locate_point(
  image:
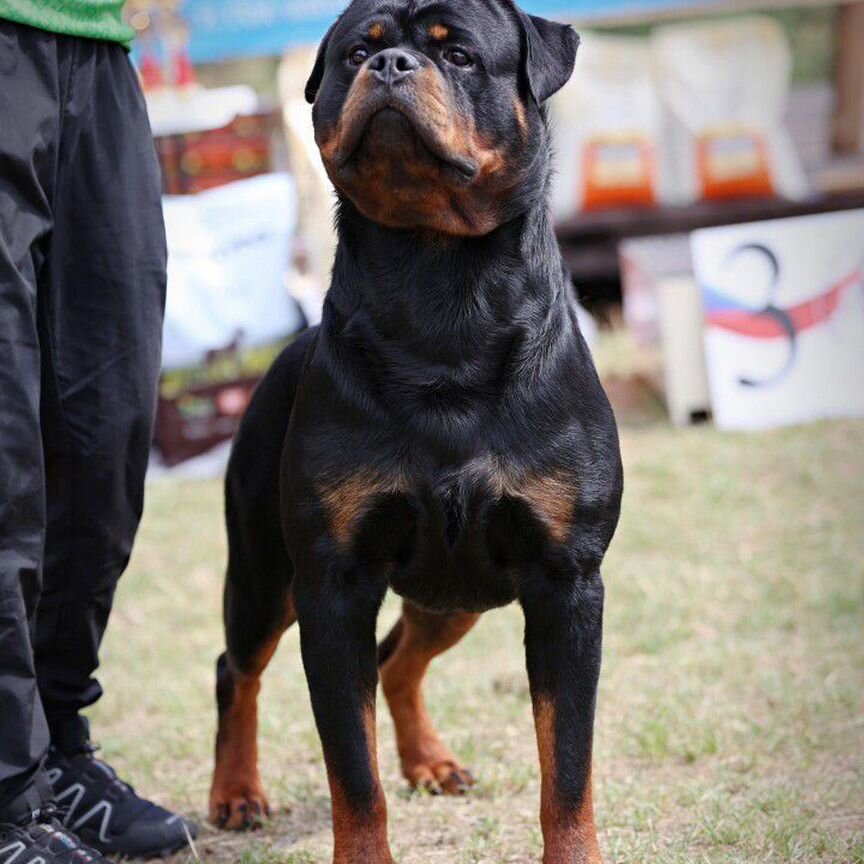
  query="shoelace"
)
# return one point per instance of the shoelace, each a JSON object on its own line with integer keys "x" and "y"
{"x": 44, "y": 815}
{"x": 50, "y": 811}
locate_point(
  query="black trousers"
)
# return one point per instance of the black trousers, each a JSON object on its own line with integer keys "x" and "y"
{"x": 82, "y": 291}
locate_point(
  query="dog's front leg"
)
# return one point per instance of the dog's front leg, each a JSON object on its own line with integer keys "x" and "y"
{"x": 337, "y": 611}
{"x": 563, "y": 634}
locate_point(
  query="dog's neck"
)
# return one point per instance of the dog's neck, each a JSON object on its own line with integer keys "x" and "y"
{"x": 442, "y": 300}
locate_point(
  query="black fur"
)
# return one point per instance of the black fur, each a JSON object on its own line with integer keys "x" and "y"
{"x": 443, "y": 362}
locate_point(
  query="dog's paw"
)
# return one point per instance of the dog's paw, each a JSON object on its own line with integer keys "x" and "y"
{"x": 442, "y": 777}
{"x": 239, "y": 809}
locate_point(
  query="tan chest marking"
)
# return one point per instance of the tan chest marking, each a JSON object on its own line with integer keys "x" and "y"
{"x": 346, "y": 502}
{"x": 551, "y": 497}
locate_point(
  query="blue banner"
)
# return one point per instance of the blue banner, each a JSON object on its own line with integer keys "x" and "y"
{"x": 221, "y": 29}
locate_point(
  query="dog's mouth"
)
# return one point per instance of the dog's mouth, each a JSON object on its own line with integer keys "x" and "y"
{"x": 390, "y": 128}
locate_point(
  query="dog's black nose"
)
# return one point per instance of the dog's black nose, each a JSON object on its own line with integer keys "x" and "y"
{"x": 393, "y": 65}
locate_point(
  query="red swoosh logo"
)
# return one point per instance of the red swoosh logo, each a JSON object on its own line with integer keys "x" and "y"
{"x": 805, "y": 315}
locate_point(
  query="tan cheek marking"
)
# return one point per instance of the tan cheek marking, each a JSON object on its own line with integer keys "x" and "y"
{"x": 435, "y": 102}
{"x": 346, "y": 502}
{"x": 466, "y": 139}
{"x": 521, "y": 116}
{"x": 330, "y": 140}
{"x": 376, "y": 32}
{"x": 439, "y": 32}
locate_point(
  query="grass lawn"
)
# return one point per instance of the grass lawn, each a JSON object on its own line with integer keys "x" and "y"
{"x": 731, "y": 712}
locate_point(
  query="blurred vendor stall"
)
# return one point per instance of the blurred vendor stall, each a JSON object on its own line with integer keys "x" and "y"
{"x": 230, "y": 219}
{"x": 673, "y": 125}
{"x": 681, "y": 116}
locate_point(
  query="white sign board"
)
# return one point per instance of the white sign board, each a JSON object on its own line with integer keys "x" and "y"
{"x": 229, "y": 252}
{"x": 784, "y": 319}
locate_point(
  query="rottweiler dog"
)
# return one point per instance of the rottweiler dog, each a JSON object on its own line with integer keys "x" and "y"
{"x": 442, "y": 433}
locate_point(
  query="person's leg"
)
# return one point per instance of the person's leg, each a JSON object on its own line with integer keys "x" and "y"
{"x": 30, "y": 95}
{"x": 101, "y": 320}
{"x": 102, "y": 296}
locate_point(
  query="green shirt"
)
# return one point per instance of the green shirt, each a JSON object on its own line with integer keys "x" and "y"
{"x": 92, "y": 19}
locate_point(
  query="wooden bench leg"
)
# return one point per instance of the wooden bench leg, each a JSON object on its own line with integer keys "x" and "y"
{"x": 848, "y": 125}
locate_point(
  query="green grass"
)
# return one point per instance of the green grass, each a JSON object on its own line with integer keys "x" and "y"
{"x": 731, "y": 711}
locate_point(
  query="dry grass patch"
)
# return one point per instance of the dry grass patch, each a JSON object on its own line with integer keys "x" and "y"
{"x": 731, "y": 717}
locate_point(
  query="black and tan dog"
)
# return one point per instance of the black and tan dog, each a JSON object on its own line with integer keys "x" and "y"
{"x": 442, "y": 433}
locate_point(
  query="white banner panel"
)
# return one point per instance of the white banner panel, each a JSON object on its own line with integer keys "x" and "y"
{"x": 784, "y": 319}
{"x": 229, "y": 250}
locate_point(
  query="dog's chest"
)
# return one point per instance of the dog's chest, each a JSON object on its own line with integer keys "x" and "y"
{"x": 452, "y": 539}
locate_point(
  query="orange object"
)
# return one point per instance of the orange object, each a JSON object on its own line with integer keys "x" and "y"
{"x": 734, "y": 163}
{"x": 619, "y": 172}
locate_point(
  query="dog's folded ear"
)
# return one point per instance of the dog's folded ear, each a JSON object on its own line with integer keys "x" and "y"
{"x": 548, "y": 55}
{"x": 317, "y": 76}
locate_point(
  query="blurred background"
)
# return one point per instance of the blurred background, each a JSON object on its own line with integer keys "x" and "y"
{"x": 709, "y": 200}
{"x": 681, "y": 117}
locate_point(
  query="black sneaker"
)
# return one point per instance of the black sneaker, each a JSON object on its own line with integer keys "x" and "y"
{"x": 41, "y": 839}
{"x": 107, "y": 813}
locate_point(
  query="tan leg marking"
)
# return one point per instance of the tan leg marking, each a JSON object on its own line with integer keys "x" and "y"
{"x": 425, "y": 760}
{"x": 569, "y": 837}
{"x": 237, "y": 797}
{"x": 361, "y": 836}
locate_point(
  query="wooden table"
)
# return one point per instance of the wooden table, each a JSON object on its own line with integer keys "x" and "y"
{"x": 590, "y": 241}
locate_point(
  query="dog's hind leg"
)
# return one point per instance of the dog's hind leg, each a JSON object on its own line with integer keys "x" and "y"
{"x": 258, "y": 609}
{"x": 404, "y": 656}
{"x": 237, "y": 798}
{"x": 258, "y": 599}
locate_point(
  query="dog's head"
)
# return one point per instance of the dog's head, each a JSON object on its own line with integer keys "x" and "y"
{"x": 428, "y": 113}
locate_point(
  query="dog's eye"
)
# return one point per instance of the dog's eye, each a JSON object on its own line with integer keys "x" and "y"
{"x": 358, "y": 56}
{"x": 458, "y": 57}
